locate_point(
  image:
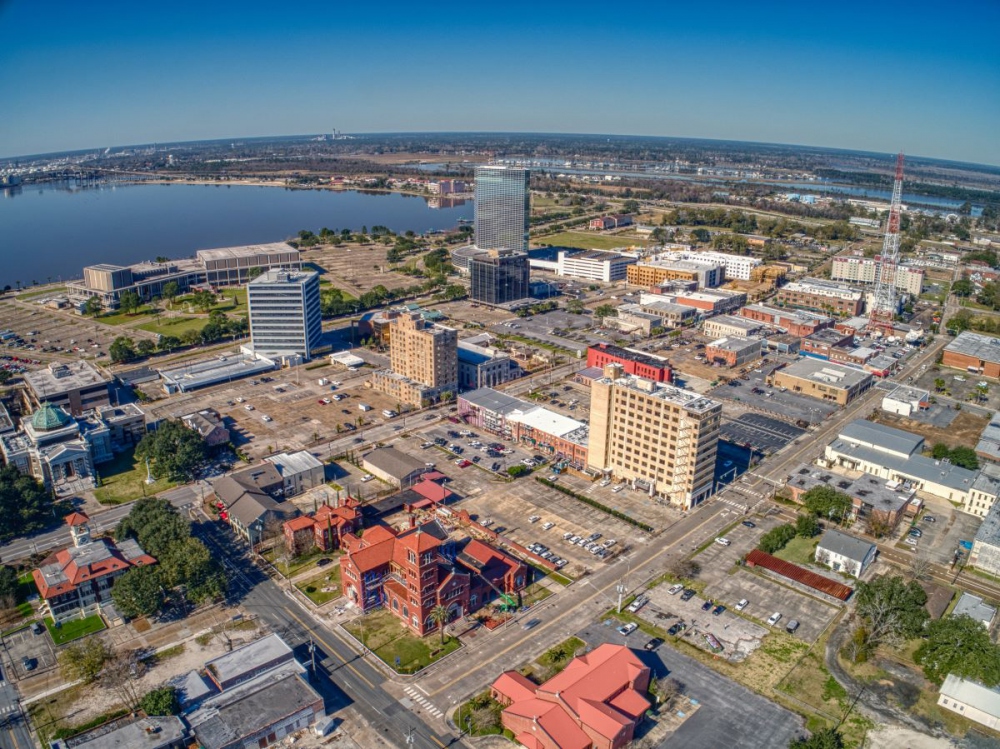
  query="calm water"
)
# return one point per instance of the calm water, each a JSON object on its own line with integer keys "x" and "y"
{"x": 50, "y": 233}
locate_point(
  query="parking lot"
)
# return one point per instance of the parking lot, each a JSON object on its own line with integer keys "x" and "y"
{"x": 791, "y": 407}
{"x": 941, "y": 538}
{"x": 23, "y": 645}
{"x": 761, "y": 433}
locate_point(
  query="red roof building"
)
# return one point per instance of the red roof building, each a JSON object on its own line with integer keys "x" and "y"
{"x": 413, "y": 571}
{"x": 595, "y": 703}
{"x": 322, "y": 530}
{"x": 757, "y": 558}
{"x": 76, "y": 582}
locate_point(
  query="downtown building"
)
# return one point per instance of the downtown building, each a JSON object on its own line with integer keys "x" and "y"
{"x": 821, "y": 295}
{"x": 864, "y": 270}
{"x": 498, "y": 277}
{"x": 498, "y": 270}
{"x": 285, "y": 316}
{"x": 660, "y": 439}
{"x": 423, "y": 360}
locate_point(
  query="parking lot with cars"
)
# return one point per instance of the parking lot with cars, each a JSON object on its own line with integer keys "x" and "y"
{"x": 940, "y": 531}
{"x": 28, "y": 650}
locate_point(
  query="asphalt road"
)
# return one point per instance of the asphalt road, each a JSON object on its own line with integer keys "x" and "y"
{"x": 342, "y": 676}
{"x": 13, "y": 725}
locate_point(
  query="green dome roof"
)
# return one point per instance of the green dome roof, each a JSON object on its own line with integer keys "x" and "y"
{"x": 49, "y": 417}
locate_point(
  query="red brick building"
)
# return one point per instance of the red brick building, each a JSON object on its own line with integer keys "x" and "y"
{"x": 596, "y": 702}
{"x": 634, "y": 362}
{"x": 323, "y": 529}
{"x": 413, "y": 571}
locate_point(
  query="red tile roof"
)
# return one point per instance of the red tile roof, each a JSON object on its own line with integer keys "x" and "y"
{"x": 433, "y": 476}
{"x": 372, "y": 557}
{"x": 792, "y": 571}
{"x": 430, "y": 490}
{"x": 300, "y": 523}
{"x": 553, "y": 727}
{"x": 77, "y": 518}
{"x": 515, "y": 686}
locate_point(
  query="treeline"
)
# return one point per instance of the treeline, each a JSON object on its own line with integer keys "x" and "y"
{"x": 884, "y": 182}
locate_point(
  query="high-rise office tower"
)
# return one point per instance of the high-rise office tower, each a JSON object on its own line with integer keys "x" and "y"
{"x": 503, "y": 207}
{"x": 285, "y": 317}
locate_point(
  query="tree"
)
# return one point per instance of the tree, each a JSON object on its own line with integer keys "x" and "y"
{"x": 93, "y": 306}
{"x": 631, "y": 206}
{"x": 129, "y": 302}
{"x": 203, "y": 300}
{"x": 137, "y": 592}
{"x": 605, "y": 310}
{"x": 940, "y": 450}
{"x": 685, "y": 569}
{"x": 8, "y": 587}
{"x": 145, "y": 347}
{"x": 666, "y": 689}
{"x": 515, "y": 471}
{"x": 173, "y": 450}
{"x": 122, "y": 349}
{"x": 939, "y": 384}
{"x": 5, "y": 376}
{"x": 701, "y": 235}
{"x": 25, "y": 505}
{"x": 827, "y": 502}
{"x": 806, "y": 526}
{"x": 162, "y": 701}
{"x": 439, "y": 615}
{"x": 85, "y": 660}
{"x": 965, "y": 457}
{"x": 828, "y": 738}
{"x": 892, "y": 609}
{"x": 877, "y": 525}
{"x": 170, "y": 291}
{"x": 575, "y": 307}
{"x": 962, "y": 287}
{"x": 776, "y": 538}
{"x": 484, "y": 718}
{"x": 121, "y": 674}
{"x": 962, "y": 646}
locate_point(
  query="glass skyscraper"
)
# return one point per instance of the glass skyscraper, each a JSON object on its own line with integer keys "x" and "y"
{"x": 502, "y": 208}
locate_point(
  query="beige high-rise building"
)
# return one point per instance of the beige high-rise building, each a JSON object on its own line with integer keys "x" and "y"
{"x": 654, "y": 435}
{"x": 424, "y": 361}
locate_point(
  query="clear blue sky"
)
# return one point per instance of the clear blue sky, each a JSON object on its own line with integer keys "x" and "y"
{"x": 880, "y": 75}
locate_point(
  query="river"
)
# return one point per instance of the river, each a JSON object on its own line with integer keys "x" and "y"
{"x": 50, "y": 232}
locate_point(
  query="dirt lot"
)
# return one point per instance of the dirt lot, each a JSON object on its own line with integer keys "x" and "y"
{"x": 355, "y": 269}
{"x": 964, "y": 428}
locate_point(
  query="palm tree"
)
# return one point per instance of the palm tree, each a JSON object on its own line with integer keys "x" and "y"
{"x": 439, "y": 615}
{"x": 938, "y": 384}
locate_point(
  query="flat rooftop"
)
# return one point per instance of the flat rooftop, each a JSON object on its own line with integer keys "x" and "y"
{"x": 639, "y": 357}
{"x": 915, "y": 466}
{"x": 249, "y": 250}
{"x": 907, "y": 394}
{"x": 989, "y": 440}
{"x": 735, "y": 344}
{"x": 686, "y": 399}
{"x": 249, "y": 659}
{"x": 489, "y": 399}
{"x": 61, "y": 377}
{"x": 228, "y": 366}
{"x": 824, "y": 287}
{"x": 743, "y": 323}
{"x": 282, "y": 276}
{"x": 983, "y": 347}
{"x": 128, "y": 733}
{"x": 828, "y": 373}
{"x": 550, "y": 422}
{"x": 887, "y": 496}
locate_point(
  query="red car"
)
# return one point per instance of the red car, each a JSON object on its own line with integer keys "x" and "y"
{"x": 321, "y": 403}
{"x": 465, "y": 464}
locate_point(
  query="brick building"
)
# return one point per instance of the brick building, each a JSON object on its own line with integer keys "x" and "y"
{"x": 322, "y": 530}
{"x": 974, "y": 352}
{"x": 634, "y": 362}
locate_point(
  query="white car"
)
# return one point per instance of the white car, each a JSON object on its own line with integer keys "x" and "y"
{"x": 723, "y": 541}
{"x": 627, "y": 629}
{"x": 248, "y": 407}
{"x": 742, "y": 604}
{"x": 774, "y": 618}
{"x": 546, "y": 526}
{"x": 266, "y": 418}
{"x": 675, "y": 589}
{"x": 366, "y": 478}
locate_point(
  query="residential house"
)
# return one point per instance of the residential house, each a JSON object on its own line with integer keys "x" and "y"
{"x": 974, "y": 607}
{"x": 209, "y": 424}
{"x": 300, "y": 471}
{"x": 844, "y": 553}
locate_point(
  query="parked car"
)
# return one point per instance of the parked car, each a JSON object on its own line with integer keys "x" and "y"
{"x": 653, "y": 644}
{"x": 792, "y": 626}
{"x": 707, "y": 605}
{"x": 749, "y": 524}
{"x": 723, "y": 541}
{"x": 929, "y": 519}
{"x": 717, "y": 611}
{"x": 637, "y": 604}
{"x": 916, "y": 532}
{"x": 675, "y": 589}
{"x": 688, "y": 594}
{"x": 774, "y": 618}
{"x": 627, "y": 629}
{"x": 743, "y": 603}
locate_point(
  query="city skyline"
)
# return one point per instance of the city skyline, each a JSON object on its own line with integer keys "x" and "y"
{"x": 880, "y": 78}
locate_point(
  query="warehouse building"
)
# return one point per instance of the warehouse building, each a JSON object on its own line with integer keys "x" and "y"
{"x": 973, "y": 352}
{"x": 734, "y": 352}
{"x": 824, "y": 380}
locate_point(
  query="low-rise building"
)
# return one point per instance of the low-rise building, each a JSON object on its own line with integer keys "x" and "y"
{"x": 731, "y": 326}
{"x": 392, "y": 466}
{"x": 147, "y": 731}
{"x": 799, "y": 323}
{"x": 886, "y": 503}
{"x": 985, "y": 553}
{"x": 484, "y": 366}
{"x": 713, "y": 301}
{"x": 636, "y": 363}
{"x": 665, "y": 314}
{"x": 551, "y": 433}
{"x": 596, "y": 702}
{"x": 984, "y": 492}
{"x": 323, "y": 529}
{"x": 734, "y": 352}
{"x": 973, "y": 352}
{"x": 300, "y": 471}
{"x": 209, "y": 424}
{"x": 905, "y": 400}
{"x": 252, "y": 499}
{"x": 77, "y": 386}
{"x": 594, "y": 265}
{"x": 76, "y": 582}
{"x": 649, "y": 274}
{"x": 988, "y": 447}
{"x": 845, "y": 553}
{"x": 822, "y": 296}
{"x": 975, "y": 608}
{"x": 823, "y": 380}
{"x": 822, "y": 343}
{"x": 895, "y": 455}
{"x": 220, "y": 368}
{"x": 971, "y": 700}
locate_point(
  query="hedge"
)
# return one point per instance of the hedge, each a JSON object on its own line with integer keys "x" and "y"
{"x": 595, "y": 504}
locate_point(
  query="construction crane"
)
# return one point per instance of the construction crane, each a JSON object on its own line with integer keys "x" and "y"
{"x": 885, "y": 304}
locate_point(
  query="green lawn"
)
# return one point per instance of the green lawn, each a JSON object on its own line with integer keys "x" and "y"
{"x": 386, "y": 636}
{"x": 559, "y": 656}
{"x": 124, "y": 479}
{"x": 535, "y": 593}
{"x": 74, "y": 629}
{"x": 799, "y": 550}
{"x": 175, "y": 326}
{"x": 292, "y": 567}
{"x": 314, "y": 586}
{"x": 590, "y": 241}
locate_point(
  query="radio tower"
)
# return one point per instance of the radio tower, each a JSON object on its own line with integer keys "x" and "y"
{"x": 883, "y": 310}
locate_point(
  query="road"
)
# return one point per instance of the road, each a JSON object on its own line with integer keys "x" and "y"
{"x": 344, "y": 677}
{"x": 13, "y": 725}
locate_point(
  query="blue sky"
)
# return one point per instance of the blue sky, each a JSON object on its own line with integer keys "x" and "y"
{"x": 882, "y": 75}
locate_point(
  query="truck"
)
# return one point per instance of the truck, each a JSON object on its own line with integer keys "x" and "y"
{"x": 323, "y": 382}
{"x": 364, "y": 407}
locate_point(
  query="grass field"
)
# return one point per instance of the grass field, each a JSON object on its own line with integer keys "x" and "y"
{"x": 120, "y": 318}
{"x": 175, "y": 326}
{"x": 588, "y": 241}
{"x": 124, "y": 479}
{"x": 74, "y": 629}
{"x": 322, "y": 589}
{"x": 799, "y": 550}
{"x": 293, "y": 567}
{"x": 384, "y": 635}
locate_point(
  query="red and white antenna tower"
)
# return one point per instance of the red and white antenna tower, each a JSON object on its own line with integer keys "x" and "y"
{"x": 885, "y": 305}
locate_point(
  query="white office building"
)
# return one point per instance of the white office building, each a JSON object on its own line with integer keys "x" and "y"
{"x": 285, "y": 317}
{"x": 594, "y": 265}
{"x": 865, "y": 270}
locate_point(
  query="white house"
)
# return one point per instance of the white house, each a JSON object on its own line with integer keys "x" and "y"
{"x": 972, "y": 700}
{"x": 974, "y": 607}
{"x": 843, "y": 553}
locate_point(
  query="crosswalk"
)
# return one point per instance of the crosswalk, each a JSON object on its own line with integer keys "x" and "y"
{"x": 414, "y": 695}
{"x": 4, "y": 709}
